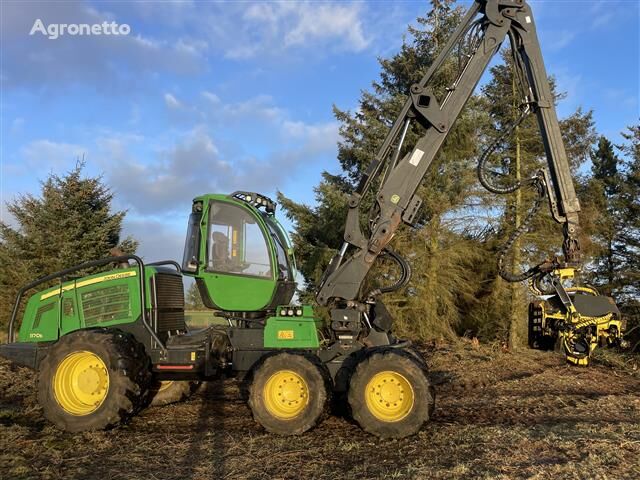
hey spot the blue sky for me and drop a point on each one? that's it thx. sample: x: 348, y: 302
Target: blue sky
x: 214, y: 97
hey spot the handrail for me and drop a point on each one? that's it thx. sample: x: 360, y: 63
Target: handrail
x: 166, y: 262
x: 82, y: 266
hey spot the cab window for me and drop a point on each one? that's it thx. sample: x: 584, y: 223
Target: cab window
x: 236, y: 243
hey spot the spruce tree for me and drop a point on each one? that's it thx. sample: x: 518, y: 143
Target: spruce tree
x: 438, y: 253
x: 604, y: 204
x: 455, y: 286
x: 193, y: 299
x: 501, y: 309
x: 630, y: 216
x: 71, y: 222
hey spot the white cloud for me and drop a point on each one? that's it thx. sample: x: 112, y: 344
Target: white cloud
x: 106, y: 62
x: 195, y: 161
x: 171, y: 102
x: 321, y: 21
x: 572, y: 85
x: 135, y: 115
x: 211, y: 97
x: 558, y: 39
x: 260, y: 107
x: 195, y: 164
x: 158, y: 241
x: 268, y: 29
x: 53, y: 155
x: 318, y: 136
x: 621, y: 97
x: 602, y: 20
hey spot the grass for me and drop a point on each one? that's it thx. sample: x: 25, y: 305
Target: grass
x: 199, y: 319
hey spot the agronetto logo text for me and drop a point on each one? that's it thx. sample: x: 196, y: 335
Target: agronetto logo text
x: 54, y: 31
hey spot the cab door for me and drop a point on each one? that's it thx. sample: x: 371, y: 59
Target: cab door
x: 239, y: 271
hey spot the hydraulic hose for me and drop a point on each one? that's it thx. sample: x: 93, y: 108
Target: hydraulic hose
x: 506, y: 275
x: 484, y: 158
x: 405, y: 275
x: 537, y: 182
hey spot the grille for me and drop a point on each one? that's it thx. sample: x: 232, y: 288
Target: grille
x: 169, y: 302
x: 106, y: 304
x: 41, y: 312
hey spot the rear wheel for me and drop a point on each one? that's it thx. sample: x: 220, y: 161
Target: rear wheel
x: 390, y: 395
x: 289, y: 393
x: 93, y: 379
x: 171, y: 391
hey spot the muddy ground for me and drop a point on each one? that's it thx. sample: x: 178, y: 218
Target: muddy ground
x: 499, y: 415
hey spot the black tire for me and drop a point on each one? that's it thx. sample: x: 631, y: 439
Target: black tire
x: 127, y: 369
x: 403, y: 371
x: 171, y: 391
x: 318, y: 388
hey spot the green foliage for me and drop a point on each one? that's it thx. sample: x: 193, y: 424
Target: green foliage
x: 630, y: 214
x: 71, y: 222
x: 193, y: 299
x: 604, y: 197
x: 455, y: 287
x: 612, y: 201
x: 501, y: 307
x: 436, y: 248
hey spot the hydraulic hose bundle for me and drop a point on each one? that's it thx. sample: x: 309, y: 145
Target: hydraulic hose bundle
x: 536, y: 182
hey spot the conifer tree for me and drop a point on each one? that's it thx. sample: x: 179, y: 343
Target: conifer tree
x: 71, y: 222
x: 193, y: 299
x: 455, y: 286
x: 501, y: 308
x: 605, y: 186
x: 630, y: 215
x: 437, y: 253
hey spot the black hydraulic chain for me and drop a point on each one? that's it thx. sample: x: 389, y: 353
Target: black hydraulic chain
x: 482, y: 176
x: 536, y: 182
x: 522, y: 229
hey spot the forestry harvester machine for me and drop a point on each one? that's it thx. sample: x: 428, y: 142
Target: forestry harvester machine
x: 102, y: 344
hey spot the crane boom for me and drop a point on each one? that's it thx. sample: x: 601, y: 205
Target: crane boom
x: 566, y: 314
x: 483, y: 29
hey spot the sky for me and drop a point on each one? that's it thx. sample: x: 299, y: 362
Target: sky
x: 204, y: 97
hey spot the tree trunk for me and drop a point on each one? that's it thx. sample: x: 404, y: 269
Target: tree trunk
x: 517, y: 296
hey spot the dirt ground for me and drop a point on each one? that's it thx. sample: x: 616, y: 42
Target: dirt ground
x: 498, y: 415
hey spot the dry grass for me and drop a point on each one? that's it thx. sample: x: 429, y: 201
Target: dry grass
x: 499, y: 416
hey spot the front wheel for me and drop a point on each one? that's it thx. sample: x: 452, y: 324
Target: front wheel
x: 390, y: 395
x: 289, y: 393
x: 93, y: 379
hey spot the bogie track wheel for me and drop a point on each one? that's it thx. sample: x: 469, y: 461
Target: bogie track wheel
x: 93, y: 379
x: 289, y: 393
x: 390, y: 395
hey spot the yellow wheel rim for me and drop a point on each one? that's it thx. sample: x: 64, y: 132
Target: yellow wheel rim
x: 389, y: 396
x: 81, y: 383
x: 285, y: 394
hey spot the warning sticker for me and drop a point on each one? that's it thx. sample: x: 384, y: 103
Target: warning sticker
x: 416, y: 156
x: 285, y: 335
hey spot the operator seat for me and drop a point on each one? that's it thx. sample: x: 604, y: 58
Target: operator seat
x: 220, y: 252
